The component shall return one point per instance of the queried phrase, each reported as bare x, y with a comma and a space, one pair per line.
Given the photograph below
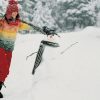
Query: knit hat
12, 7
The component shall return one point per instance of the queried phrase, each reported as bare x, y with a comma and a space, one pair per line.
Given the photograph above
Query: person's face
14, 14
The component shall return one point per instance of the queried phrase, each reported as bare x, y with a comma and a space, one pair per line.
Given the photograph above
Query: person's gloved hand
48, 31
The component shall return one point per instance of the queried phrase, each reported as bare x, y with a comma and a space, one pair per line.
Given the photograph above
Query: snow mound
71, 75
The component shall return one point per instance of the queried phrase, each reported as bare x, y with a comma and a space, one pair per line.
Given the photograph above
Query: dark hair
11, 19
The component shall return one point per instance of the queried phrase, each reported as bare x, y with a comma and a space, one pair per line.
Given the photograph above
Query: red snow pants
5, 60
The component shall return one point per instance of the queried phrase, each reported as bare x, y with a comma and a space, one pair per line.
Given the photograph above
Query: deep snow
73, 75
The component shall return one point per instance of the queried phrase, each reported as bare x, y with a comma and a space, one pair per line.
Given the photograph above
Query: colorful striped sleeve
24, 26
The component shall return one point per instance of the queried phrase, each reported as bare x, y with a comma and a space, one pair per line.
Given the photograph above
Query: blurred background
62, 15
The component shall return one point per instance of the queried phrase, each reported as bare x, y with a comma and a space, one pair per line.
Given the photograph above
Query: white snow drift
69, 72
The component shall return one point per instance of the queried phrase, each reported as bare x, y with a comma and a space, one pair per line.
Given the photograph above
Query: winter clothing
8, 32
12, 7
5, 59
7, 39
9, 26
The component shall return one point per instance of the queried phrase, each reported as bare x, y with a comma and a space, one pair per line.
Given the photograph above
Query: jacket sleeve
24, 26
1, 25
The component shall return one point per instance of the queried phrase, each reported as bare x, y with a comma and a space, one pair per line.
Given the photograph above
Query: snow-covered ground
69, 72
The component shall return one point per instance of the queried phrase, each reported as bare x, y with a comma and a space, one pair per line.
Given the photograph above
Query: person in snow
9, 26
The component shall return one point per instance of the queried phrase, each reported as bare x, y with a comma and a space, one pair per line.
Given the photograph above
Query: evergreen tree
42, 13
60, 14
74, 13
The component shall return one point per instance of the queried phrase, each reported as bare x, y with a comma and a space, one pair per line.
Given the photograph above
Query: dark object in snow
1, 95
1, 84
38, 57
40, 53
49, 43
49, 31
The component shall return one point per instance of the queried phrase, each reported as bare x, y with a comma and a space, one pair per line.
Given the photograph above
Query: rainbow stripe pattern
8, 34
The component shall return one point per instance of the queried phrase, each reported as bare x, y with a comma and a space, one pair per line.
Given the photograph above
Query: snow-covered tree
42, 13
74, 13
60, 14
27, 9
